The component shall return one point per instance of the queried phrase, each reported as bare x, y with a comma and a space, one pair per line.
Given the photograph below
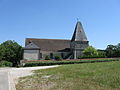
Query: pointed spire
79, 34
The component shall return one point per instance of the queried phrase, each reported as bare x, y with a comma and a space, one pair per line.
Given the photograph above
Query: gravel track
15, 73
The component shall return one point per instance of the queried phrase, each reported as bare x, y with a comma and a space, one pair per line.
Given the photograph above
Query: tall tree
117, 50
113, 50
11, 51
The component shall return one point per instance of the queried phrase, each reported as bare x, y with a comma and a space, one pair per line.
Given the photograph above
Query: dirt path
4, 85
11, 75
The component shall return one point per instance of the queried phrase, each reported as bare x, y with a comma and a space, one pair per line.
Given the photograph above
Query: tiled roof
49, 44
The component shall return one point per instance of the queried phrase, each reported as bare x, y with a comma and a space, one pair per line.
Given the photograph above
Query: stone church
36, 49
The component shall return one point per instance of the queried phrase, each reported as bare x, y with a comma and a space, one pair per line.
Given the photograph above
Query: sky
56, 19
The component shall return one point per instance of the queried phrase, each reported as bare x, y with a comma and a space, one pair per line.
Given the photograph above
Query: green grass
87, 76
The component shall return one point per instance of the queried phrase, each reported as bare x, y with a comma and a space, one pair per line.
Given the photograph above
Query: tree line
110, 52
11, 51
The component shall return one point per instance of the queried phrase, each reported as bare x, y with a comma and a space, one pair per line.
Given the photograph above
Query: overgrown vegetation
11, 51
87, 76
47, 63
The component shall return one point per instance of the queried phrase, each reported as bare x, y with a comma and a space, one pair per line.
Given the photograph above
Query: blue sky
56, 19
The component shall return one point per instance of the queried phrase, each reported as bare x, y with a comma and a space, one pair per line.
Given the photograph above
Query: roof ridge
45, 39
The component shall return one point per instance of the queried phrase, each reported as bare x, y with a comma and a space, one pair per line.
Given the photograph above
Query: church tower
79, 41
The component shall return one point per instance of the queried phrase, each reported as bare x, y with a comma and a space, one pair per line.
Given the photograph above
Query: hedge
47, 63
89, 57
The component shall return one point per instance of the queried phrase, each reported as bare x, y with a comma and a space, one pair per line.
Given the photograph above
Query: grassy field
87, 76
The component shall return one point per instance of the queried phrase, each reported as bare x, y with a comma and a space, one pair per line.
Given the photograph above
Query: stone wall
77, 48
52, 54
31, 54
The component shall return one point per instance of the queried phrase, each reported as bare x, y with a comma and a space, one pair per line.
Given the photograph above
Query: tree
113, 50
110, 50
90, 51
117, 52
101, 53
11, 51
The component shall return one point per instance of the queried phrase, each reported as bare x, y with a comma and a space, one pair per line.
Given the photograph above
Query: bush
47, 58
58, 58
5, 64
87, 57
91, 52
100, 55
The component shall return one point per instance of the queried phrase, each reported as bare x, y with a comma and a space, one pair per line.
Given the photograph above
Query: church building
37, 49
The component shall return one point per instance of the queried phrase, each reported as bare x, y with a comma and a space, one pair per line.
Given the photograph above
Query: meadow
84, 76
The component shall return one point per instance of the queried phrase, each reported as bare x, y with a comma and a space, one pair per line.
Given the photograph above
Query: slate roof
79, 34
49, 44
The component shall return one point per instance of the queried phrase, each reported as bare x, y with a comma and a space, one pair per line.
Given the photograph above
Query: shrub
87, 57
5, 64
58, 58
47, 57
101, 54
90, 51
